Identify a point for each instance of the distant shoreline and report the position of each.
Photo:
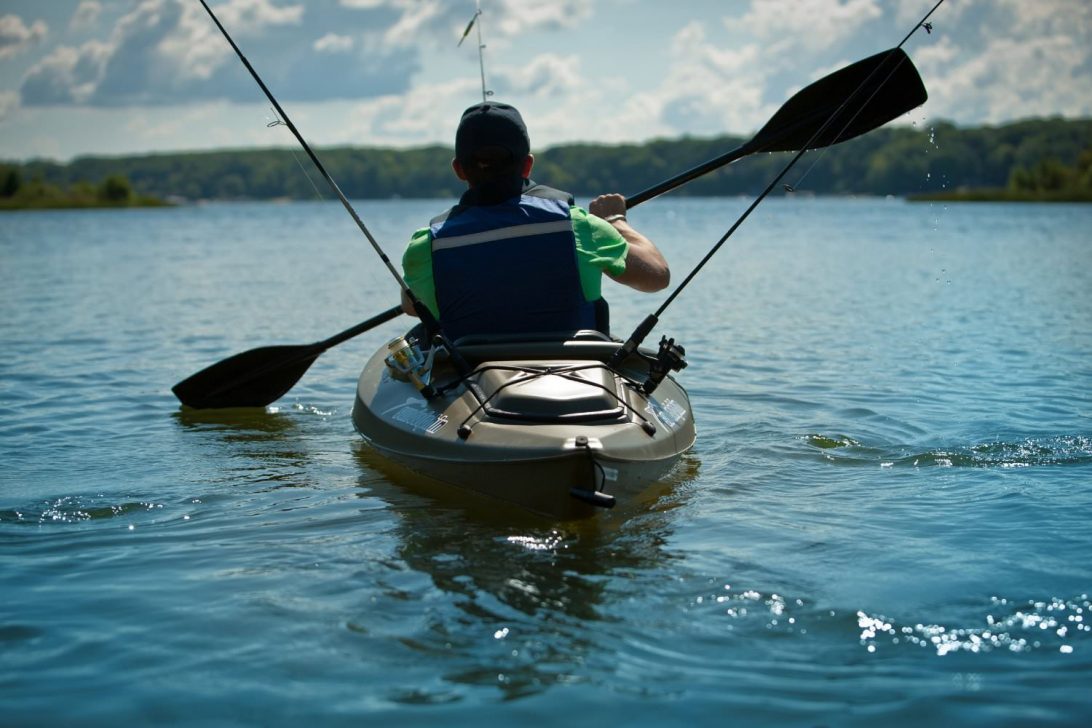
(969, 196)
(1032, 160)
(1002, 195)
(77, 204)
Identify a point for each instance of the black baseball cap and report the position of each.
(491, 125)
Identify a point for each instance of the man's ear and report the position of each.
(458, 168)
(529, 162)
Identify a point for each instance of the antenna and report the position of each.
(476, 20)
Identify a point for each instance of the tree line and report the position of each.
(114, 190)
(1038, 158)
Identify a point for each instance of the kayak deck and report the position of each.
(545, 425)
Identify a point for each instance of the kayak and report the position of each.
(552, 424)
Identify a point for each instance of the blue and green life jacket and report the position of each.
(509, 268)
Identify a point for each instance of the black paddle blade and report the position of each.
(253, 378)
(843, 105)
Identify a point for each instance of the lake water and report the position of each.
(887, 518)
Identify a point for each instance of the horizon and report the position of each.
(106, 78)
(292, 146)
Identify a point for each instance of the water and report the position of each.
(885, 518)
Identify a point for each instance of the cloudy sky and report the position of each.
(110, 77)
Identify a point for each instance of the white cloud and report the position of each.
(991, 61)
(416, 19)
(67, 75)
(9, 102)
(794, 25)
(169, 52)
(388, 71)
(1013, 78)
(517, 17)
(430, 112)
(413, 118)
(16, 36)
(1052, 17)
(502, 20)
(334, 43)
(707, 89)
(253, 16)
(912, 11)
(86, 16)
(193, 47)
(549, 74)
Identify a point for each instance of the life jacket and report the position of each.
(509, 268)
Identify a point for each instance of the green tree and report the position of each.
(115, 189)
(1049, 175)
(10, 181)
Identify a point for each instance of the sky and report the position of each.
(118, 77)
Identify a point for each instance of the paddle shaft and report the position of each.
(691, 174)
(381, 318)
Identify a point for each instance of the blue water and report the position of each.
(885, 519)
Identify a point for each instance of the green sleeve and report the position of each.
(599, 248)
(417, 269)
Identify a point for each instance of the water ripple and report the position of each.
(1055, 624)
(1063, 450)
(75, 509)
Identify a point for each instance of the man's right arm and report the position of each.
(646, 268)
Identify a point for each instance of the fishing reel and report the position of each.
(407, 364)
(670, 358)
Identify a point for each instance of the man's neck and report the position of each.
(494, 192)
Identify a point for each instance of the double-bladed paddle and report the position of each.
(837, 107)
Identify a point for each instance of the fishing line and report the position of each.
(283, 116)
(646, 326)
(432, 326)
(277, 121)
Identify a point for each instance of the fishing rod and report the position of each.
(430, 322)
(476, 21)
(897, 58)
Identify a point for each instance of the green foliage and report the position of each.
(115, 189)
(1042, 178)
(10, 181)
(1032, 157)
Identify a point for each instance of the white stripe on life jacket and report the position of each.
(515, 231)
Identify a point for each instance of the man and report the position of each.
(516, 257)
